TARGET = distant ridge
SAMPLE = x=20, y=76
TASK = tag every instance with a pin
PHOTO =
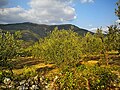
x=32, y=31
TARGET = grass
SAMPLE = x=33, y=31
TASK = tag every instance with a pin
x=48, y=69
x=37, y=64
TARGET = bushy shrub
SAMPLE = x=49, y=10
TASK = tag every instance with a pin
x=91, y=45
x=88, y=78
x=4, y=74
x=29, y=72
x=9, y=46
x=60, y=47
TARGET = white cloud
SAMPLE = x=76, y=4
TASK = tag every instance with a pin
x=41, y=11
x=87, y=1
x=104, y=29
x=118, y=21
x=93, y=29
x=9, y=15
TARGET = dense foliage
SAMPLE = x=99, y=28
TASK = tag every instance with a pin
x=117, y=11
x=67, y=47
x=88, y=78
x=91, y=45
x=113, y=38
x=9, y=46
x=60, y=47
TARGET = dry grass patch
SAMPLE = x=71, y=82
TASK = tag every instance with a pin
x=30, y=63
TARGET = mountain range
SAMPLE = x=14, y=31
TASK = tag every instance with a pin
x=33, y=31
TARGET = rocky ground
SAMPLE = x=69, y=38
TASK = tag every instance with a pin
x=33, y=83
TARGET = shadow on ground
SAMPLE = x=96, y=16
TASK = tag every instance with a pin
x=21, y=62
x=45, y=70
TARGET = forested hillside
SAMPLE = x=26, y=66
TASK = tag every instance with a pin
x=32, y=31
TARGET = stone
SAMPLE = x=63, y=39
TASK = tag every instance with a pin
x=3, y=87
x=7, y=81
x=27, y=84
x=34, y=87
x=22, y=82
x=21, y=88
x=36, y=82
x=36, y=78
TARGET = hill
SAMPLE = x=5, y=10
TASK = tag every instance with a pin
x=32, y=31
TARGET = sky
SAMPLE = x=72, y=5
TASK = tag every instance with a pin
x=87, y=14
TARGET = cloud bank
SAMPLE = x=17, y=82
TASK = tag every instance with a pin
x=41, y=11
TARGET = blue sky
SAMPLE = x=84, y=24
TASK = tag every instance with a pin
x=97, y=14
x=89, y=14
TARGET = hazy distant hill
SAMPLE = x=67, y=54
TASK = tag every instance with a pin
x=32, y=31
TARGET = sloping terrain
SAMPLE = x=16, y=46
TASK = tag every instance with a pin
x=32, y=31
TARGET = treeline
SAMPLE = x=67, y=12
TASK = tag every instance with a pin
x=61, y=46
x=67, y=47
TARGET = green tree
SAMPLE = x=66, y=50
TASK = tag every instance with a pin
x=91, y=45
x=60, y=47
x=9, y=46
x=104, y=50
x=110, y=40
x=117, y=11
x=113, y=38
